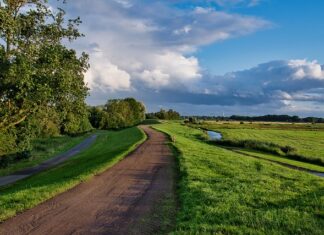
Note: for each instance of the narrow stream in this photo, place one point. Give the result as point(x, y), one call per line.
point(213, 135)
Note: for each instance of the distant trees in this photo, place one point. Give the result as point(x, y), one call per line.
point(265, 118)
point(117, 113)
point(42, 89)
point(164, 115)
point(277, 118)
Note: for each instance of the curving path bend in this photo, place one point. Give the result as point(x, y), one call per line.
point(114, 202)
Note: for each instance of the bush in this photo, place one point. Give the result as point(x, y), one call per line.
point(118, 114)
point(288, 149)
point(193, 120)
point(6, 160)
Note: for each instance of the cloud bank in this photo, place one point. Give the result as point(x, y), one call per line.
point(147, 49)
point(135, 44)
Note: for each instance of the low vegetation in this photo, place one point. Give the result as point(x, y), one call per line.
point(223, 192)
point(106, 151)
point(43, 149)
point(302, 142)
point(274, 158)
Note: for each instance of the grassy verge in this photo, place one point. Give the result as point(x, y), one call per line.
point(221, 192)
point(270, 157)
point(108, 149)
point(44, 149)
point(269, 147)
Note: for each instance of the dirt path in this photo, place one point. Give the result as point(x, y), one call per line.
point(115, 202)
point(22, 174)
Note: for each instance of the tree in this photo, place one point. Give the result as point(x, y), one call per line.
point(117, 113)
point(164, 115)
point(39, 75)
point(36, 69)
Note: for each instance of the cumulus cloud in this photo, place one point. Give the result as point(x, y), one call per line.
point(147, 49)
point(150, 44)
point(276, 83)
point(249, 3)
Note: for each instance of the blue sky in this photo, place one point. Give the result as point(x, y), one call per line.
point(297, 33)
point(248, 57)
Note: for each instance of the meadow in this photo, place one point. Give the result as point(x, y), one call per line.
point(304, 140)
point(109, 148)
point(223, 192)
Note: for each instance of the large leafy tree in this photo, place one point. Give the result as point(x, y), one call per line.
point(37, 71)
point(117, 113)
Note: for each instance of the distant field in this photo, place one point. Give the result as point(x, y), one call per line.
point(222, 192)
point(109, 148)
point(307, 139)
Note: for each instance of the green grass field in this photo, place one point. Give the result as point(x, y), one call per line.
point(307, 139)
point(266, 156)
point(222, 192)
point(44, 149)
point(109, 148)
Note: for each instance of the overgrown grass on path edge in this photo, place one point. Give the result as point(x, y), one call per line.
point(109, 148)
point(221, 192)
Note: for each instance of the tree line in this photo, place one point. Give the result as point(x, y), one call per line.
point(264, 118)
point(278, 118)
point(164, 115)
point(117, 113)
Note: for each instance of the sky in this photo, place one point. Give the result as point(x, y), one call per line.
point(244, 57)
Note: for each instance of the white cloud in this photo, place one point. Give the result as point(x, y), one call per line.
point(306, 69)
point(148, 44)
point(124, 3)
point(248, 3)
point(203, 10)
point(104, 75)
point(185, 30)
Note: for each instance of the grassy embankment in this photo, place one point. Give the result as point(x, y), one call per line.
point(274, 158)
point(305, 141)
point(222, 192)
point(44, 149)
point(108, 149)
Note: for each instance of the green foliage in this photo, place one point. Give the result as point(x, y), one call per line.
point(222, 192)
point(43, 149)
point(117, 114)
point(95, 116)
point(8, 142)
point(42, 89)
point(164, 115)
